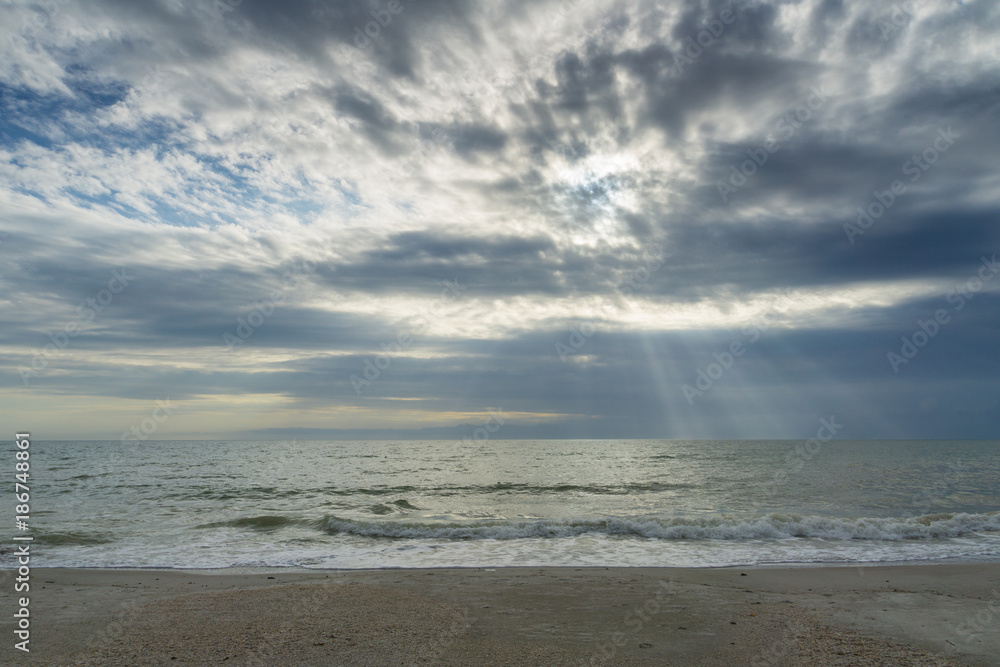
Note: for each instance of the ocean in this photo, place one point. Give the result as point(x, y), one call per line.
point(491, 503)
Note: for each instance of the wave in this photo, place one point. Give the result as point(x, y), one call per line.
point(771, 526)
point(243, 493)
point(510, 488)
point(264, 522)
point(73, 538)
point(506, 488)
point(402, 503)
point(374, 491)
point(597, 489)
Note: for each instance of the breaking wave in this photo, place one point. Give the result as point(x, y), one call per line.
point(771, 526)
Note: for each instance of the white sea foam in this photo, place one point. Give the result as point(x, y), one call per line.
point(771, 526)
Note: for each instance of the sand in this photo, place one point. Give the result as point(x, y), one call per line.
point(945, 614)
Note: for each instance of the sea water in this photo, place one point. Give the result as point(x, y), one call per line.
point(381, 504)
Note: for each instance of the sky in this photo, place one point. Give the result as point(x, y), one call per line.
point(588, 219)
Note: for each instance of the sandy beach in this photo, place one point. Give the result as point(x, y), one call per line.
point(893, 615)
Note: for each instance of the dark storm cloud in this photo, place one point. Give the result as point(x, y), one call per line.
point(707, 254)
point(788, 254)
point(377, 123)
point(825, 18)
point(309, 27)
point(472, 139)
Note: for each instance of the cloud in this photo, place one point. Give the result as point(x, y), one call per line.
point(540, 156)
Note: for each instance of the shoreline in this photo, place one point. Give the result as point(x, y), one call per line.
point(260, 569)
point(929, 614)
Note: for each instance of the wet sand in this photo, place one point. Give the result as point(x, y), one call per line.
point(945, 614)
